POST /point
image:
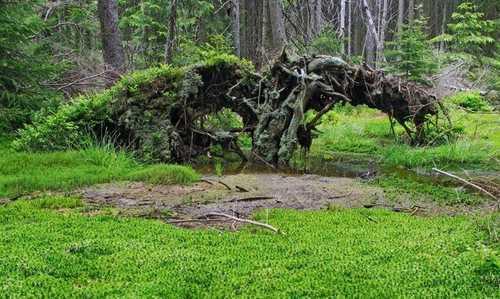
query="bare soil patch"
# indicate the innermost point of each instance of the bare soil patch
(240, 195)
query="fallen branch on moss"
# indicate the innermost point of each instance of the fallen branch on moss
(264, 225)
(206, 218)
(482, 190)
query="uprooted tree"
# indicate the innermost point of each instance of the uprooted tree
(161, 113)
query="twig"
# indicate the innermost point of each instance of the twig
(241, 189)
(264, 225)
(224, 184)
(340, 196)
(251, 198)
(207, 181)
(264, 161)
(465, 182)
(82, 79)
(192, 220)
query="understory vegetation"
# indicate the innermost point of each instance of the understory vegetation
(22, 173)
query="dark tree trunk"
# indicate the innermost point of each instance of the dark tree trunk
(172, 26)
(235, 25)
(112, 48)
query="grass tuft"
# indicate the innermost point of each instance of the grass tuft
(165, 174)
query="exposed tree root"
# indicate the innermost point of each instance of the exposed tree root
(166, 120)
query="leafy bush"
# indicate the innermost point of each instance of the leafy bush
(471, 100)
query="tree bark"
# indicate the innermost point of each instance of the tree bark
(349, 28)
(235, 25)
(342, 23)
(411, 11)
(383, 25)
(401, 15)
(372, 42)
(275, 33)
(252, 31)
(172, 26)
(443, 24)
(112, 49)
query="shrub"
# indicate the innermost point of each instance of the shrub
(471, 100)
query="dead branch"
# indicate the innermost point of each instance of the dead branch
(264, 225)
(465, 182)
(241, 189)
(224, 184)
(82, 79)
(251, 198)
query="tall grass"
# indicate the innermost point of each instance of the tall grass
(22, 172)
(365, 131)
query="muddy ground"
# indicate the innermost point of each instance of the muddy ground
(240, 195)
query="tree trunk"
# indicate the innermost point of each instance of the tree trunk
(401, 15)
(342, 23)
(349, 28)
(383, 25)
(172, 26)
(314, 18)
(112, 49)
(274, 27)
(371, 36)
(443, 24)
(411, 11)
(235, 25)
(251, 43)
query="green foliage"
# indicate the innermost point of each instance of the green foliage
(470, 100)
(69, 125)
(469, 32)
(399, 184)
(24, 64)
(164, 174)
(57, 202)
(371, 253)
(191, 52)
(223, 120)
(326, 43)
(145, 26)
(410, 55)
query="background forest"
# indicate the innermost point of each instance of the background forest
(76, 46)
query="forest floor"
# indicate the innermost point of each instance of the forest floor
(374, 220)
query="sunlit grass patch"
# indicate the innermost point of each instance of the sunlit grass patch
(165, 174)
(23, 172)
(335, 253)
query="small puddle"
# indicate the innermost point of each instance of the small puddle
(355, 168)
(316, 167)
